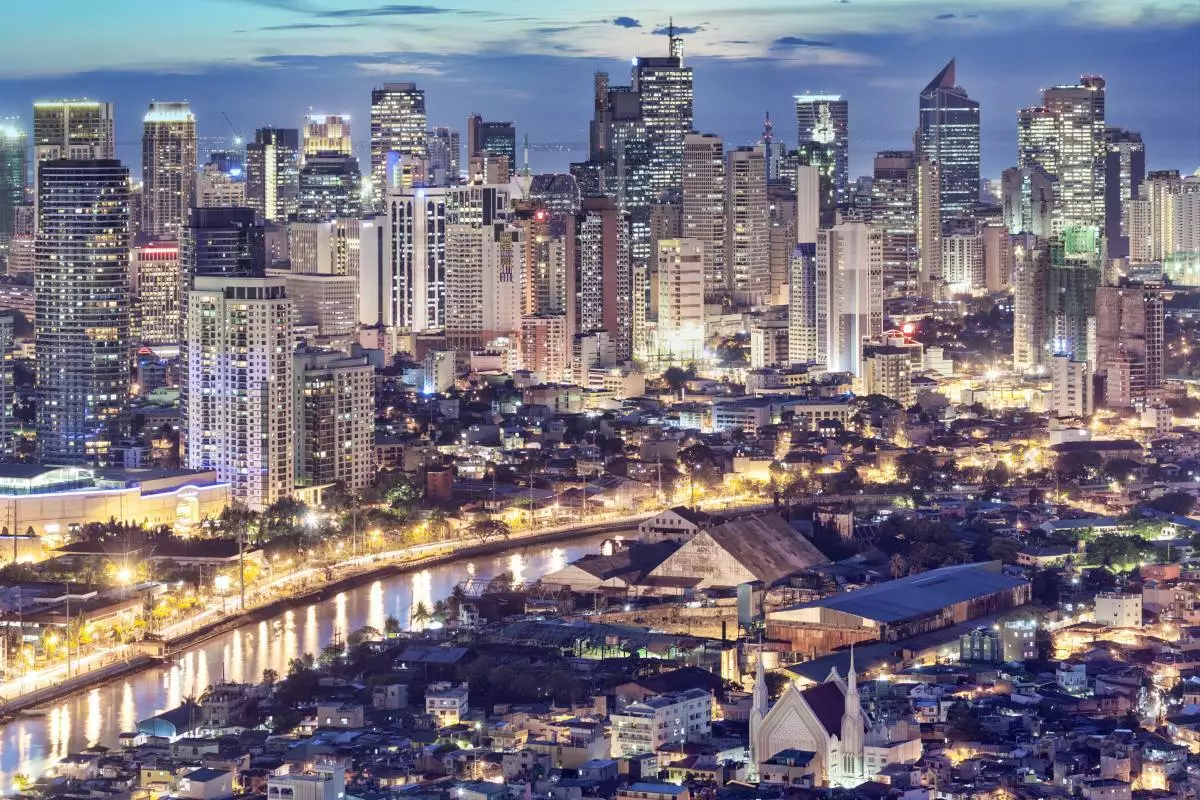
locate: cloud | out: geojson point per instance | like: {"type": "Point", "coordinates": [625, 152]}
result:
{"type": "Point", "coordinates": [551, 31]}
{"type": "Point", "coordinates": [944, 16]}
{"type": "Point", "coordinates": [790, 42]}
{"type": "Point", "coordinates": [397, 68]}
{"type": "Point", "coordinates": [389, 10]}
{"type": "Point", "coordinates": [626, 22]}
{"type": "Point", "coordinates": [680, 30]}
{"type": "Point", "coordinates": [304, 26]}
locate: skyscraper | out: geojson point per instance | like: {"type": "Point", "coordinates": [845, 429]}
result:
{"type": "Point", "coordinates": [221, 243]}
{"type": "Point", "coordinates": [929, 222]}
{"type": "Point", "coordinates": [237, 403]}
{"type": "Point", "coordinates": [330, 188]}
{"type": "Point", "coordinates": [802, 297]}
{"type": "Point", "coordinates": [849, 293]}
{"type": "Point", "coordinates": [1031, 270]}
{"type": "Point", "coordinates": [168, 168]}
{"type": "Point", "coordinates": [704, 205]}
{"type": "Point", "coordinates": [484, 266]}
{"type": "Point", "coordinates": [397, 125]}
{"type": "Point", "coordinates": [1027, 201]}
{"type": "Point", "coordinates": [157, 279]}
{"type": "Point", "coordinates": [273, 173]}
{"type": "Point", "coordinates": [949, 135]}
{"type": "Point", "coordinates": [335, 419]}
{"type": "Point", "coordinates": [1129, 344]}
{"type": "Point", "coordinates": [13, 171]}
{"type": "Point", "coordinates": [604, 277]}
{"type": "Point", "coordinates": [1124, 171]}
{"type": "Point", "coordinates": [824, 119]}
{"type": "Point", "coordinates": [747, 231]}
{"type": "Point", "coordinates": [1065, 137]}
{"type": "Point", "coordinates": [82, 322]}
{"type": "Point", "coordinates": [444, 151]}
{"type": "Point", "coordinates": [497, 138]}
{"type": "Point", "coordinates": [680, 299]}
{"type": "Point", "coordinates": [664, 89]}
{"type": "Point", "coordinates": [73, 129]}
{"type": "Point", "coordinates": [327, 133]}
{"type": "Point", "coordinates": [414, 296]}
{"type": "Point", "coordinates": [894, 215]}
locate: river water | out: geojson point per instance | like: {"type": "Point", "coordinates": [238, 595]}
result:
{"type": "Point", "coordinates": [98, 716]}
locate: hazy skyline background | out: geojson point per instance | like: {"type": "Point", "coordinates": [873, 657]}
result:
{"type": "Point", "coordinates": [267, 62]}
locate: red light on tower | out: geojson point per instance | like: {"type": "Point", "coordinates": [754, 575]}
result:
{"type": "Point", "coordinates": [541, 215]}
{"type": "Point", "coordinates": [908, 328]}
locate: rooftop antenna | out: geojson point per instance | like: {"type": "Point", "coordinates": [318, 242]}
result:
{"type": "Point", "coordinates": [526, 170]}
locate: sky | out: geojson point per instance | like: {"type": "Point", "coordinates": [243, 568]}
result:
{"type": "Point", "coordinates": [268, 62]}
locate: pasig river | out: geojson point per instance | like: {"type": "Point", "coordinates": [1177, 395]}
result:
{"type": "Point", "coordinates": [29, 745]}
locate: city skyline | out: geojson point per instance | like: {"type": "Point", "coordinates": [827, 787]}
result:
{"type": "Point", "coordinates": [286, 58]}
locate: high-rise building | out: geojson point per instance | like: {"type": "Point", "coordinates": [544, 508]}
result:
{"type": "Point", "coordinates": [1071, 392]}
{"type": "Point", "coordinates": [73, 129]}
{"type": "Point", "coordinates": [273, 173]}
{"type": "Point", "coordinates": [497, 138]}
{"type": "Point", "coordinates": [997, 258]}
{"type": "Point", "coordinates": [13, 172]}
{"type": "Point", "coordinates": [328, 303]}
{"type": "Point", "coordinates": [237, 401]}
{"type": "Point", "coordinates": [894, 215]}
{"type": "Point", "coordinates": [415, 251]}
{"type": "Point", "coordinates": [444, 153]}
{"type": "Point", "coordinates": [335, 419]}
{"type": "Point", "coordinates": [221, 243]}
{"type": "Point", "coordinates": [747, 229]}
{"type": "Point", "coordinates": [823, 157]}
{"type": "Point", "coordinates": [546, 347]}
{"type": "Point", "coordinates": [604, 278]}
{"type": "Point", "coordinates": [157, 278]}
{"type": "Point", "coordinates": [1167, 226]}
{"type": "Point", "coordinates": [398, 125]}
{"type": "Point", "coordinates": [929, 223]}
{"type": "Point", "coordinates": [802, 298]}
{"type": "Point", "coordinates": [1027, 200]}
{"type": "Point", "coordinates": [327, 134]}
{"type": "Point", "coordinates": [484, 267]}
{"type": "Point", "coordinates": [824, 119]}
{"type": "Point", "coordinates": [22, 247]}
{"type": "Point", "coordinates": [887, 371]}
{"type": "Point", "coordinates": [680, 299]}
{"type": "Point", "coordinates": [168, 168]}
{"type": "Point", "coordinates": [1129, 344]}
{"type": "Point", "coordinates": [962, 256]}
{"type": "Point", "coordinates": [1124, 171]}
{"type": "Point", "coordinates": [82, 320]}
{"type": "Point", "coordinates": [558, 193]}
{"type": "Point", "coordinates": [1065, 138]}
{"type": "Point", "coordinates": [218, 188]}
{"type": "Point", "coordinates": [704, 205]}
{"type": "Point", "coordinates": [664, 89]}
{"type": "Point", "coordinates": [781, 238]}
{"type": "Point", "coordinates": [1031, 271]}
{"type": "Point", "coordinates": [949, 135]}
{"type": "Point", "coordinates": [330, 188]}
{"type": "Point", "coordinates": [327, 248]}
{"type": "Point", "coordinates": [7, 388]}
{"type": "Point", "coordinates": [849, 293]}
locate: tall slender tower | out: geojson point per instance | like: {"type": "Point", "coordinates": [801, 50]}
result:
{"type": "Point", "coordinates": [747, 227]}
{"type": "Point", "coordinates": [853, 730]}
{"type": "Point", "coordinates": [663, 86]}
{"type": "Point", "coordinates": [82, 320]}
{"type": "Point", "coordinates": [704, 205]}
{"type": "Point", "coordinates": [327, 133]}
{"type": "Point", "coordinates": [273, 173]}
{"type": "Point", "coordinates": [73, 129]}
{"type": "Point", "coordinates": [13, 144]}
{"type": "Point", "coordinates": [1124, 172]}
{"type": "Point", "coordinates": [398, 125]}
{"type": "Point", "coordinates": [168, 168]}
{"type": "Point", "coordinates": [824, 119]}
{"type": "Point", "coordinates": [949, 135]}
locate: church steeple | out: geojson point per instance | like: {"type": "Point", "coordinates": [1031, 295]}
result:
{"type": "Point", "coordinates": [758, 711]}
{"type": "Point", "coordinates": [852, 738]}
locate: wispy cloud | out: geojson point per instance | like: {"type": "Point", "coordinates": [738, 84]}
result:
{"type": "Point", "coordinates": [626, 22]}
{"type": "Point", "coordinates": [791, 42]}
{"type": "Point", "coordinates": [390, 10]}
{"type": "Point", "coordinates": [679, 30]}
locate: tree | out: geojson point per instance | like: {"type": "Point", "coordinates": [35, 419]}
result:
{"type": "Point", "coordinates": [917, 468]}
{"type": "Point", "coordinates": [1121, 469]}
{"type": "Point", "coordinates": [420, 615]}
{"type": "Point", "coordinates": [1119, 552]}
{"type": "Point", "coordinates": [676, 379]}
{"type": "Point", "coordinates": [998, 475]}
{"type": "Point", "coordinates": [391, 627]}
{"type": "Point", "coordinates": [364, 634]}
{"type": "Point", "coordinates": [897, 566]}
{"type": "Point", "coordinates": [458, 597]}
{"type": "Point", "coordinates": [1004, 549]}
{"type": "Point", "coordinates": [1180, 503]}
{"type": "Point", "coordinates": [487, 530]}
{"type": "Point", "coordinates": [270, 677]}
{"type": "Point", "coordinates": [1078, 465]}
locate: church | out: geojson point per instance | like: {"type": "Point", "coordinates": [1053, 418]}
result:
{"type": "Point", "coordinates": [827, 725]}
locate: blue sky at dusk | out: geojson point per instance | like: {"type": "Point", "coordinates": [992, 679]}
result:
{"type": "Point", "coordinates": [270, 61]}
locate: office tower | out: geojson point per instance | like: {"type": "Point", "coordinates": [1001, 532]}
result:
{"type": "Point", "coordinates": [73, 129]}
{"type": "Point", "coordinates": [1071, 387]}
{"type": "Point", "coordinates": [485, 167]}
{"type": "Point", "coordinates": [335, 420]}
{"type": "Point", "coordinates": [849, 293]}
{"type": "Point", "coordinates": [81, 324]}
{"type": "Point", "coordinates": [217, 188]}
{"type": "Point", "coordinates": [781, 238]}
{"type": "Point", "coordinates": [1031, 271]}
{"type": "Point", "coordinates": [483, 283]}
{"type": "Point", "coordinates": [397, 126]}
{"type": "Point", "coordinates": [324, 305]}
{"type": "Point", "coordinates": [7, 388]}
{"type": "Point", "coordinates": [997, 258]}
{"type": "Point", "coordinates": [822, 157]}
{"type": "Point", "coordinates": [664, 89]}
{"type": "Point", "coordinates": [1027, 200]}
{"type": "Point", "coordinates": [414, 299]}
{"type": "Point", "coordinates": [680, 299]}
{"type": "Point", "coordinates": [894, 215]}
{"type": "Point", "coordinates": [604, 278]}
{"type": "Point", "coordinates": [769, 344]}
{"type": "Point", "coordinates": [236, 405]}
{"type": "Point", "coordinates": [497, 138]}
{"type": "Point", "coordinates": [444, 153]}
{"type": "Point", "coordinates": [273, 173]}
{"type": "Point", "coordinates": [22, 247]}
{"type": "Point", "coordinates": [1129, 344]}
{"type": "Point", "coordinates": [558, 193]}
{"type": "Point", "coordinates": [157, 278]}
{"type": "Point", "coordinates": [1168, 224]}
{"type": "Point", "coordinates": [1065, 138]}
{"type": "Point", "coordinates": [168, 168]}
{"type": "Point", "coordinates": [962, 255]}
{"type": "Point", "coordinates": [548, 286]}
{"type": "Point", "coordinates": [330, 188]}
{"type": "Point", "coordinates": [704, 205]}
{"type": "Point", "coordinates": [1124, 171]}
{"type": "Point", "coordinates": [949, 135]}
{"type": "Point", "coordinates": [1071, 295]}
{"type": "Point", "coordinates": [824, 120]}
{"type": "Point", "coordinates": [221, 242]}
{"type": "Point", "coordinates": [887, 371]}
{"type": "Point", "coordinates": [327, 134]}
{"type": "Point", "coordinates": [747, 231]}
{"type": "Point", "coordinates": [929, 224]}
{"type": "Point", "coordinates": [327, 248]}
{"type": "Point", "coordinates": [546, 347]}
{"type": "Point", "coordinates": [13, 170]}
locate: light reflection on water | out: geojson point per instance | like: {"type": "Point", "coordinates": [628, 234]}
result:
{"type": "Point", "coordinates": [29, 745]}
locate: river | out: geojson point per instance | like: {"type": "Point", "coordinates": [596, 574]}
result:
{"type": "Point", "coordinates": [100, 715]}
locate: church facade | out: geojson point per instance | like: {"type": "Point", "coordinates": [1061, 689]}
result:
{"type": "Point", "coordinates": [828, 721]}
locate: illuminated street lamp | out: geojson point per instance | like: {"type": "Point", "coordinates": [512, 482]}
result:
{"type": "Point", "coordinates": [222, 583]}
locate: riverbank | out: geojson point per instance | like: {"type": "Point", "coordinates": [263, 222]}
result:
{"type": "Point", "coordinates": [317, 593]}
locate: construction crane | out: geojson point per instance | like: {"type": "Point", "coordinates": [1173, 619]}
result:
{"type": "Point", "coordinates": [238, 139]}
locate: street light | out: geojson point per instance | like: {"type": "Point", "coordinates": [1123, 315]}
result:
{"type": "Point", "coordinates": [222, 583]}
{"type": "Point", "coordinates": [124, 576]}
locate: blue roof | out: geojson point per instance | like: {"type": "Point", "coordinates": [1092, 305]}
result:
{"type": "Point", "coordinates": [658, 788]}
{"type": "Point", "coordinates": [920, 594]}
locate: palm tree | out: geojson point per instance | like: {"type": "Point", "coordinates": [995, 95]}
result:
{"type": "Point", "coordinates": [391, 627]}
{"type": "Point", "coordinates": [897, 565]}
{"type": "Point", "coordinates": [440, 610]}
{"type": "Point", "coordinates": [458, 596]}
{"type": "Point", "coordinates": [420, 615]}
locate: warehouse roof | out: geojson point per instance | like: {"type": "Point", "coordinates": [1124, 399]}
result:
{"type": "Point", "coordinates": [922, 593]}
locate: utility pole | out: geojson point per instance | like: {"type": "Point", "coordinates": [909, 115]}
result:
{"type": "Point", "coordinates": [242, 563]}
